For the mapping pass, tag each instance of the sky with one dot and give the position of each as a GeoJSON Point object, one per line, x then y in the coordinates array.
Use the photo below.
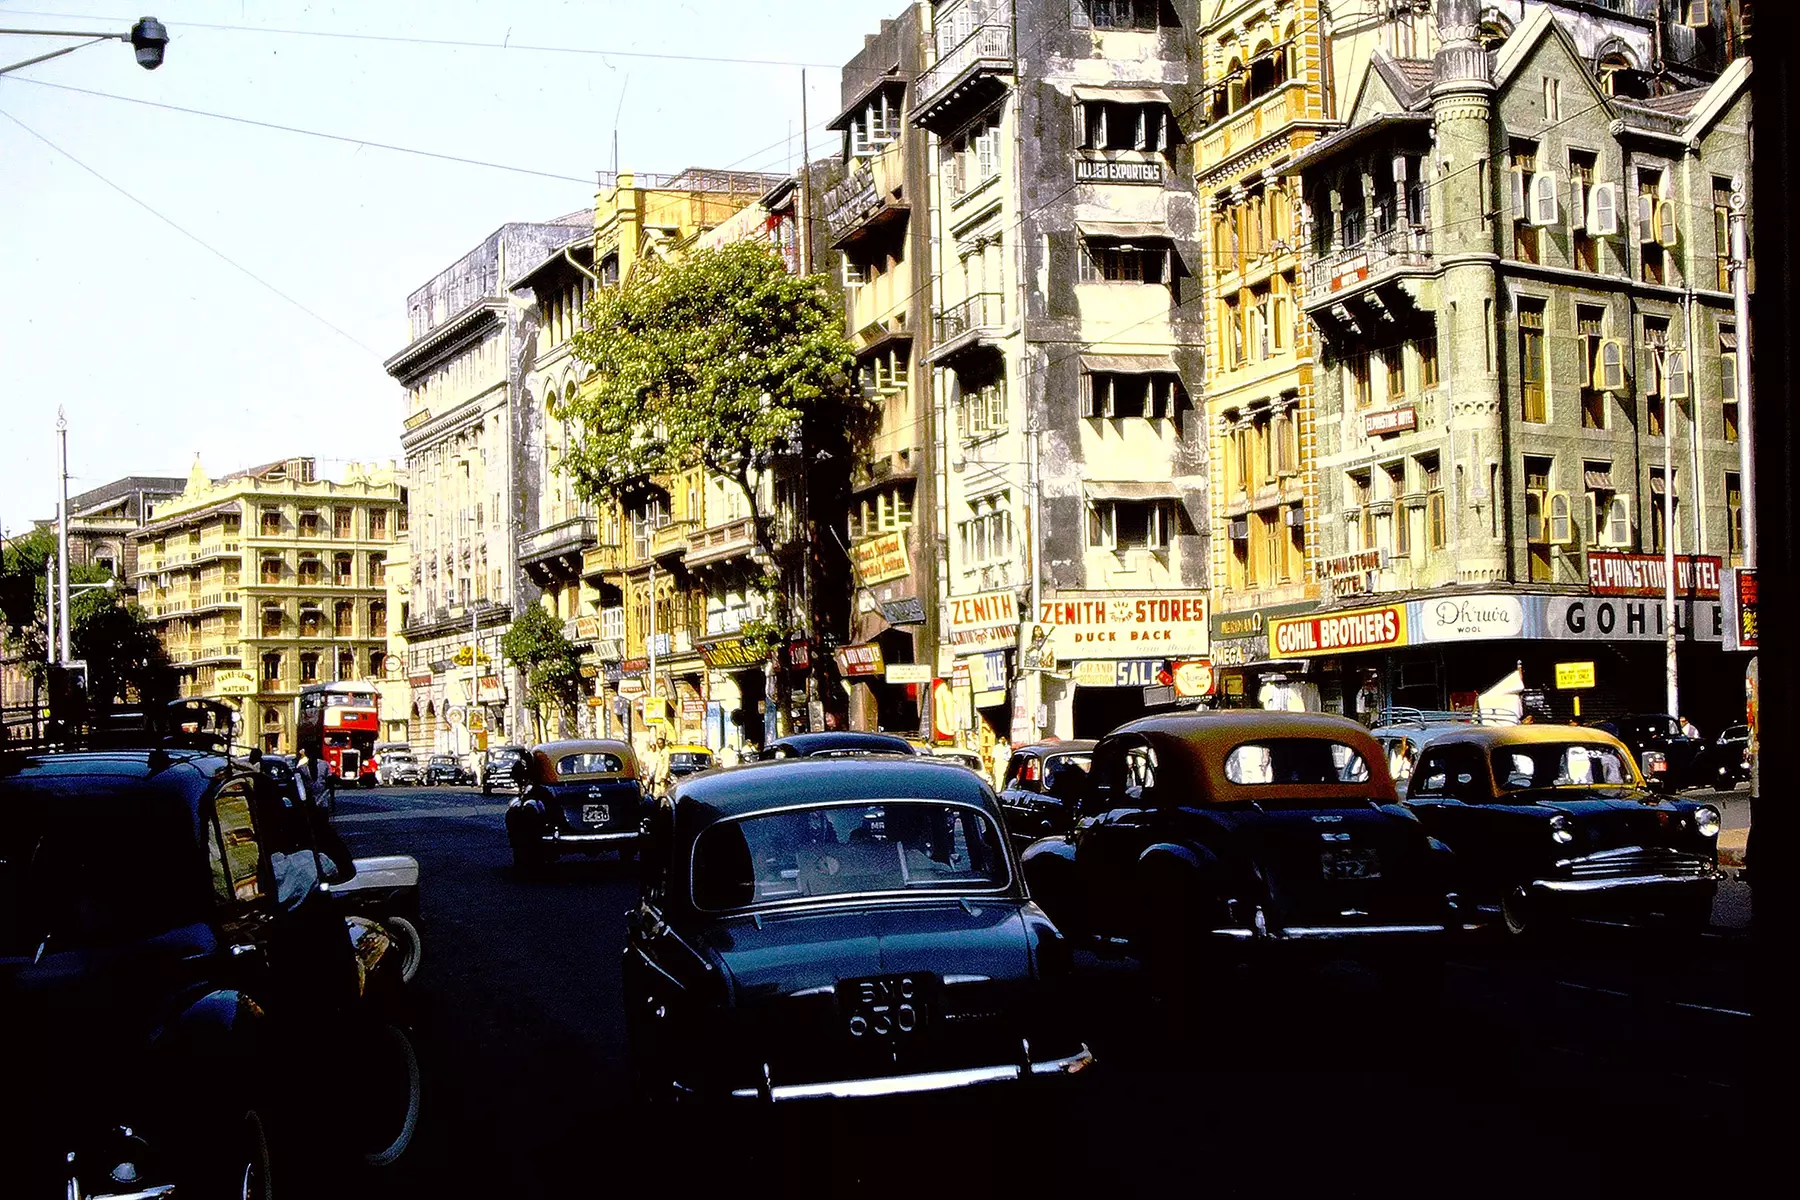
{"type": "Point", "coordinates": [159, 348]}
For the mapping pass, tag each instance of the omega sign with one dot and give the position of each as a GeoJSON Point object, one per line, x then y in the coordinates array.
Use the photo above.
{"type": "Point", "coordinates": [1340, 633]}
{"type": "Point", "coordinates": [1101, 170]}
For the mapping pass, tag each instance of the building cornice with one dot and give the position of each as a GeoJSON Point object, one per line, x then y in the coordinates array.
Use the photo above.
{"type": "Point", "coordinates": [447, 338]}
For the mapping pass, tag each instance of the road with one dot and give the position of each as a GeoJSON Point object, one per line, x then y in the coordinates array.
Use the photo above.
{"type": "Point", "coordinates": [1611, 1056]}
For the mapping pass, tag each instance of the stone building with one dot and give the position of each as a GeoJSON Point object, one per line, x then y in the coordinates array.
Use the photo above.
{"type": "Point", "coordinates": [103, 522]}
{"type": "Point", "coordinates": [1065, 359]}
{"type": "Point", "coordinates": [277, 574]}
{"type": "Point", "coordinates": [1520, 287]}
{"type": "Point", "coordinates": [465, 436]}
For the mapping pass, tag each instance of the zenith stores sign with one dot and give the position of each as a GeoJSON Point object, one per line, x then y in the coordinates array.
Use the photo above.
{"type": "Point", "coordinates": [1126, 624]}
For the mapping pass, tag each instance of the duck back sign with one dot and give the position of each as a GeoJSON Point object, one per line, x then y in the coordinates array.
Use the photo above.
{"type": "Point", "coordinates": [1085, 625]}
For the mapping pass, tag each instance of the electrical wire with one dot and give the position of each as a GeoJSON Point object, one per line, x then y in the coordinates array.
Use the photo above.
{"type": "Point", "coordinates": [193, 237]}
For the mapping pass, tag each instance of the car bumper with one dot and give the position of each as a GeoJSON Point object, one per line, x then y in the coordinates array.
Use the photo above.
{"type": "Point", "coordinates": [1626, 886]}
{"type": "Point", "coordinates": [163, 1192]}
{"type": "Point", "coordinates": [912, 1085]}
{"type": "Point", "coordinates": [1326, 933]}
{"type": "Point", "coordinates": [579, 840]}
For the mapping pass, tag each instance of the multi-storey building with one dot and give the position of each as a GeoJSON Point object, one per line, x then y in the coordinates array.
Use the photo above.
{"type": "Point", "coordinates": [878, 220]}
{"type": "Point", "coordinates": [103, 523]}
{"type": "Point", "coordinates": [399, 713]}
{"type": "Point", "coordinates": [1065, 359]}
{"type": "Point", "coordinates": [465, 436]}
{"type": "Point", "coordinates": [1520, 285]}
{"type": "Point", "coordinates": [276, 574]}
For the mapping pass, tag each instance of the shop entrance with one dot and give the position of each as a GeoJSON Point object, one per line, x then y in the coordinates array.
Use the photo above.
{"type": "Point", "coordinates": [1100, 710]}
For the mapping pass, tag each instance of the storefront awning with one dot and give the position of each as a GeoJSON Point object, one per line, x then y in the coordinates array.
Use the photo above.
{"type": "Point", "coordinates": [1130, 364]}
{"type": "Point", "coordinates": [1140, 231]}
{"type": "Point", "coordinates": [1122, 95]}
{"type": "Point", "coordinates": [1131, 489]}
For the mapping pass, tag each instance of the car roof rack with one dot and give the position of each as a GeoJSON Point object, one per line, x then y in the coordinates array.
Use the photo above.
{"type": "Point", "coordinates": [1421, 717]}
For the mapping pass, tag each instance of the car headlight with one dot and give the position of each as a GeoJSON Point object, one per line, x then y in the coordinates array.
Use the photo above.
{"type": "Point", "coordinates": [1561, 830]}
{"type": "Point", "coordinates": [1706, 821]}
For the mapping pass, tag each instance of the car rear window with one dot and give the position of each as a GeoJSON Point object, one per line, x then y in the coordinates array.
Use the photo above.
{"type": "Point", "coordinates": [1559, 764]}
{"type": "Point", "coordinates": [889, 846]}
{"type": "Point", "coordinates": [592, 762]}
{"type": "Point", "coordinates": [1295, 761]}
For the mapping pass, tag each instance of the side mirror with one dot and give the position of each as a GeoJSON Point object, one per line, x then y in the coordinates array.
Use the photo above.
{"type": "Point", "coordinates": [521, 773]}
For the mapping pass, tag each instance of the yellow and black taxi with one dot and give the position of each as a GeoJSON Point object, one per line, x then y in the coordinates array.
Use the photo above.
{"type": "Point", "coordinates": [576, 797]}
{"type": "Point", "coordinates": [1554, 821]}
{"type": "Point", "coordinates": [839, 928]}
{"type": "Point", "coordinates": [1028, 793]}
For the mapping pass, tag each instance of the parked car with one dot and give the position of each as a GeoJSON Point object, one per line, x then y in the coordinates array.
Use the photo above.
{"type": "Point", "coordinates": [1550, 822]}
{"type": "Point", "coordinates": [837, 743]}
{"type": "Point", "coordinates": [1404, 732]}
{"type": "Point", "coordinates": [1725, 762]}
{"type": "Point", "coordinates": [443, 770]}
{"type": "Point", "coordinates": [577, 797]}
{"type": "Point", "coordinates": [200, 1016]}
{"type": "Point", "coordinates": [966, 758]}
{"type": "Point", "coordinates": [497, 773]}
{"type": "Point", "coordinates": [1032, 811]}
{"type": "Point", "coordinates": [1229, 828]}
{"type": "Point", "coordinates": [839, 929]}
{"type": "Point", "coordinates": [1668, 759]}
{"type": "Point", "coordinates": [399, 768]}
{"type": "Point", "coordinates": [385, 888]}
{"type": "Point", "coordinates": [685, 760]}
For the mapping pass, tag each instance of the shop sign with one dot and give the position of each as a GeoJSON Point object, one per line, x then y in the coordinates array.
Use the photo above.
{"type": "Point", "coordinates": [846, 203]}
{"type": "Point", "coordinates": [1237, 625]}
{"type": "Point", "coordinates": [590, 671]}
{"type": "Point", "coordinates": [1125, 624]}
{"type": "Point", "coordinates": [1240, 652]}
{"type": "Point", "coordinates": [880, 559]}
{"type": "Point", "coordinates": [634, 666]}
{"type": "Point", "coordinates": [1469, 618]}
{"type": "Point", "coordinates": [1613, 573]}
{"type": "Point", "coordinates": [1096, 672]}
{"type": "Point", "coordinates": [1340, 633]}
{"type": "Point", "coordinates": [489, 691]}
{"type": "Point", "coordinates": [862, 659]}
{"type": "Point", "coordinates": [1348, 566]}
{"type": "Point", "coordinates": [419, 681]}
{"type": "Point", "coordinates": [234, 683]}
{"type": "Point", "coordinates": [587, 629]}
{"type": "Point", "coordinates": [1195, 678]}
{"type": "Point", "coordinates": [596, 701]}
{"type": "Point", "coordinates": [1102, 170]}
{"type": "Point", "coordinates": [908, 610]}
{"type": "Point", "coordinates": [611, 673]}
{"type": "Point", "coordinates": [983, 621]}
{"type": "Point", "coordinates": [1137, 672]}
{"type": "Point", "coordinates": [799, 655]}
{"type": "Point", "coordinates": [1234, 685]}
{"type": "Point", "coordinates": [1611, 618]}
{"type": "Point", "coordinates": [693, 710]}
{"type": "Point", "coordinates": [730, 654]}
{"type": "Point", "coordinates": [987, 678]}
{"type": "Point", "coordinates": [1738, 600]}
{"type": "Point", "coordinates": [1575, 675]}
{"type": "Point", "coordinates": [909, 673]}
{"type": "Point", "coordinates": [1390, 421]}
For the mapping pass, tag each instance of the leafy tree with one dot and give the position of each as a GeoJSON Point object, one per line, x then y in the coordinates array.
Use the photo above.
{"type": "Point", "coordinates": [536, 645]}
{"type": "Point", "coordinates": [721, 360]}
{"type": "Point", "coordinates": [125, 657]}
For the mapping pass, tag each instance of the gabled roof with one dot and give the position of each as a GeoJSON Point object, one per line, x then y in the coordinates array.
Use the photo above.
{"type": "Point", "coordinates": [1410, 78]}
{"type": "Point", "coordinates": [1524, 39]}
{"type": "Point", "coordinates": [1719, 97]}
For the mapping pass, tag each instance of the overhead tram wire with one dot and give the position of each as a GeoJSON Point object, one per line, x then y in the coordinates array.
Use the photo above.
{"type": "Point", "coordinates": [195, 238]}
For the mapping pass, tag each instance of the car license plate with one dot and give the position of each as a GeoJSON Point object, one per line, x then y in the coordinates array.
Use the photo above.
{"type": "Point", "coordinates": [596, 814]}
{"type": "Point", "coordinates": [882, 1006]}
{"type": "Point", "coordinates": [1351, 864]}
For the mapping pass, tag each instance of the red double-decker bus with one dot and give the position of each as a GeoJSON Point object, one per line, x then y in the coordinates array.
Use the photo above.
{"type": "Point", "coordinates": [338, 725]}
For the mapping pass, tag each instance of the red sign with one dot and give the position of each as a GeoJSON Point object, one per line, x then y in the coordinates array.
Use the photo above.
{"type": "Point", "coordinates": [1740, 609]}
{"type": "Point", "coordinates": [800, 655]}
{"type": "Point", "coordinates": [864, 659]}
{"type": "Point", "coordinates": [1194, 678]}
{"type": "Point", "coordinates": [1339, 633]}
{"type": "Point", "coordinates": [1612, 573]}
{"type": "Point", "coordinates": [1390, 422]}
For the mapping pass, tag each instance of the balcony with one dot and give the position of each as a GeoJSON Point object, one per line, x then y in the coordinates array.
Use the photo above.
{"type": "Point", "coordinates": [555, 551]}
{"type": "Point", "coordinates": [1370, 284]}
{"type": "Point", "coordinates": [671, 541]}
{"type": "Point", "coordinates": [600, 560]}
{"type": "Point", "coordinates": [1267, 116]}
{"type": "Point", "coordinates": [965, 78]}
{"type": "Point", "coordinates": [973, 320]}
{"type": "Point", "coordinates": [721, 543]}
{"type": "Point", "coordinates": [865, 204]}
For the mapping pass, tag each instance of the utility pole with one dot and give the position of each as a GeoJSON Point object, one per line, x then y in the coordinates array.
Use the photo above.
{"type": "Point", "coordinates": [1740, 289]}
{"type": "Point", "coordinates": [1668, 498]}
{"type": "Point", "coordinates": [62, 541]}
{"type": "Point", "coordinates": [805, 185]}
{"type": "Point", "coordinates": [50, 612]}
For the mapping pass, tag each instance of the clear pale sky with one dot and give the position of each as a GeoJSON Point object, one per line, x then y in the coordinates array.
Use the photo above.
{"type": "Point", "coordinates": [159, 350]}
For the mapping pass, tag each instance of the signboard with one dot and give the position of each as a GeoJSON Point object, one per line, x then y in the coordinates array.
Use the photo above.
{"type": "Point", "coordinates": [419, 681]}
{"type": "Point", "coordinates": [1104, 170]}
{"type": "Point", "coordinates": [1575, 675]}
{"type": "Point", "coordinates": [1616, 618]}
{"type": "Point", "coordinates": [1738, 602]}
{"type": "Point", "coordinates": [983, 621]}
{"type": "Point", "coordinates": [464, 657]}
{"type": "Point", "coordinates": [693, 710]}
{"type": "Point", "coordinates": [236, 683]}
{"type": "Point", "coordinates": [1339, 633]}
{"type": "Point", "coordinates": [908, 610]}
{"type": "Point", "coordinates": [631, 686]}
{"type": "Point", "coordinates": [1346, 566]}
{"type": "Point", "coordinates": [1195, 678]}
{"type": "Point", "coordinates": [1125, 624]}
{"type": "Point", "coordinates": [489, 691]}
{"type": "Point", "coordinates": [587, 629]}
{"type": "Point", "coordinates": [847, 203]}
{"type": "Point", "coordinates": [1137, 672]}
{"type": "Point", "coordinates": [1612, 573]}
{"type": "Point", "coordinates": [417, 419]}
{"type": "Point", "coordinates": [880, 559]}
{"type": "Point", "coordinates": [659, 644]}
{"type": "Point", "coordinates": [1469, 618]}
{"type": "Point", "coordinates": [799, 655]}
{"type": "Point", "coordinates": [1390, 421]}
{"type": "Point", "coordinates": [730, 654]}
{"type": "Point", "coordinates": [909, 673]}
{"type": "Point", "coordinates": [1095, 672]}
{"type": "Point", "coordinates": [634, 666]}
{"type": "Point", "coordinates": [862, 659]}
{"type": "Point", "coordinates": [476, 720]}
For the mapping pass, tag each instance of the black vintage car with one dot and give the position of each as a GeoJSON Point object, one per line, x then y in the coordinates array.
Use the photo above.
{"type": "Point", "coordinates": [839, 929]}
{"type": "Point", "coordinates": [1032, 809]}
{"type": "Point", "coordinates": [497, 774]}
{"type": "Point", "coordinates": [836, 744]}
{"type": "Point", "coordinates": [1231, 828]}
{"type": "Point", "coordinates": [1668, 759]}
{"type": "Point", "coordinates": [1554, 821]}
{"type": "Point", "coordinates": [445, 770]}
{"type": "Point", "coordinates": [184, 1006]}
{"type": "Point", "coordinates": [576, 797]}
{"type": "Point", "coordinates": [1725, 763]}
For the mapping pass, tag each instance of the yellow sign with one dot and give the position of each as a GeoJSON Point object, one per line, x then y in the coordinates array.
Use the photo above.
{"type": "Point", "coordinates": [1575, 675]}
{"type": "Point", "coordinates": [234, 683]}
{"type": "Point", "coordinates": [880, 559]}
{"type": "Point", "coordinates": [1096, 672]}
{"type": "Point", "coordinates": [477, 720]}
{"type": "Point", "coordinates": [656, 710]}
{"type": "Point", "coordinates": [464, 657]}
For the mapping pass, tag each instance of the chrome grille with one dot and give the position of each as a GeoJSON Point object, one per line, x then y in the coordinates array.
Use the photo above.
{"type": "Point", "coordinates": [1637, 862]}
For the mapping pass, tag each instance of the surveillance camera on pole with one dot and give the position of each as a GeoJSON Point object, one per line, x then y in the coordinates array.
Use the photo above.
{"type": "Point", "coordinates": [149, 39]}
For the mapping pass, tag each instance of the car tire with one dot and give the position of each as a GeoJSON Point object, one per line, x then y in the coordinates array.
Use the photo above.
{"type": "Point", "coordinates": [1520, 915]}
{"type": "Point", "coordinates": [242, 1170]}
{"type": "Point", "coordinates": [412, 949]}
{"type": "Point", "coordinates": [388, 1086]}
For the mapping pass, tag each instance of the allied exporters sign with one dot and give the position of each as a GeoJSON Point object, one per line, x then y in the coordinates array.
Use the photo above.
{"type": "Point", "coordinates": [1339, 633]}
{"type": "Point", "coordinates": [1126, 624]}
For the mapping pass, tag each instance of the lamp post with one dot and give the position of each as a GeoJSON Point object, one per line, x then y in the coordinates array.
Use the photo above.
{"type": "Point", "coordinates": [149, 40]}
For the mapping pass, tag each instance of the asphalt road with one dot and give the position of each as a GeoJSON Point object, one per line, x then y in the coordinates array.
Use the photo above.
{"type": "Point", "coordinates": [1606, 1058]}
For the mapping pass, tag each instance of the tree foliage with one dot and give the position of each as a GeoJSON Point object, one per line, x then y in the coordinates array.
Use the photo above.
{"type": "Point", "coordinates": [126, 659]}
{"type": "Point", "coordinates": [535, 644]}
{"type": "Point", "coordinates": [719, 360]}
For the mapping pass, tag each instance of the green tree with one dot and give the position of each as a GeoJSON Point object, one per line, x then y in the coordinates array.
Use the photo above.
{"type": "Point", "coordinates": [536, 645]}
{"type": "Point", "coordinates": [721, 360]}
{"type": "Point", "coordinates": [125, 657]}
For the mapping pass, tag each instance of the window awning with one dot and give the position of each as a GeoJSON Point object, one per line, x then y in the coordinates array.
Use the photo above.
{"type": "Point", "coordinates": [1598, 480]}
{"type": "Point", "coordinates": [1123, 95]}
{"type": "Point", "coordinates": [1131, 489]}
{"type": "Point", "coordinates": [1656, 483]}
{"type": "Point", "coordinates": [1728, 340]}
{"type": "Point", "coordinates": [1138, 231]}
{"type": "Point", "coordinates": [1129, 364]}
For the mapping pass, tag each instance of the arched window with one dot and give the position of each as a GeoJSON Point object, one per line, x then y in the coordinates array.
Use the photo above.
{"type": "Point", "coordinates": [1493, 30]}
{"type": "Point", "coordinates": [1618, 72]}
{"type": "Point", "coordinates": [1234, 84]}
{"type": "Point", "coordinates": [1288, 66]}
{"type": "Point", "coordinates": [1262, 73]}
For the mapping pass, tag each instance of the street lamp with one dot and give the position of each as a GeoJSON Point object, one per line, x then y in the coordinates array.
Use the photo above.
{"type": "Point", "coordinates": [149, 39]}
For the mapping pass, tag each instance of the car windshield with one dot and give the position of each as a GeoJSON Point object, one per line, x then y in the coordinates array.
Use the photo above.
{"type": "Point", "coordinates": [1295, 760]}
{"type": "Point", "coordinates": [889, 846]}
{"type": "Point", "coordinates": [592, 762]}
{"type": "Point", "coordinates": [1559, 764]}
{"type": "Point", "coordinates": [689, 762]}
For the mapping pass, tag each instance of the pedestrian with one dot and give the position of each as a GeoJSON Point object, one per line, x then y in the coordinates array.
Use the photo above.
{"type": "Point", "coordinates": [1688, 730]}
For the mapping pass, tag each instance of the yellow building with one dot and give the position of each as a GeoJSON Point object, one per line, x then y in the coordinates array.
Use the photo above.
{"type": "Point", "coordinates": [395, 682]}
{"type": "Point", "coordinates": [270, 579]}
